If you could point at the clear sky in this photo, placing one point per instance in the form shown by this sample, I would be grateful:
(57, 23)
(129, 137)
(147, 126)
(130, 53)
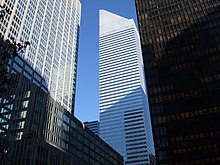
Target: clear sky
(87, 86)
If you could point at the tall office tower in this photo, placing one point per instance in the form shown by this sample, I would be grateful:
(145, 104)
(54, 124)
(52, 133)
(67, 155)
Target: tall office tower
(181, 47)
(52, 28)
(124, 113)
(93, 126)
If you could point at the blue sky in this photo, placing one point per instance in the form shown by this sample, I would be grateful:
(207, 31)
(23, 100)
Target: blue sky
(87, 86)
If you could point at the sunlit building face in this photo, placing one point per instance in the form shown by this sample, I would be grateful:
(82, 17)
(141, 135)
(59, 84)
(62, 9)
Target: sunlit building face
(52, 28)
(124, 113)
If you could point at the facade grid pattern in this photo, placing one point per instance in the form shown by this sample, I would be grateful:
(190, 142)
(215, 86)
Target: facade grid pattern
(52, 28)
(181, 46)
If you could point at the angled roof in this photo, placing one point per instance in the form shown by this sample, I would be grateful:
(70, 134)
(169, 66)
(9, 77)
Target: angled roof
(110, 22)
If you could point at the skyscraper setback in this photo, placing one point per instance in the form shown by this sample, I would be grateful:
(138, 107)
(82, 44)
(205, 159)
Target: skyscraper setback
(181, 47)
(124, 114)
(52, 27)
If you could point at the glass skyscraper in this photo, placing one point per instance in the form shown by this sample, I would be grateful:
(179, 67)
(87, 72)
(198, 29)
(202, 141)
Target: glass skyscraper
(181, 52)
(52, 28)
(124, 113)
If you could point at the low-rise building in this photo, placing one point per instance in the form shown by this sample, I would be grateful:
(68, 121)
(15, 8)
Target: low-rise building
(37, 130)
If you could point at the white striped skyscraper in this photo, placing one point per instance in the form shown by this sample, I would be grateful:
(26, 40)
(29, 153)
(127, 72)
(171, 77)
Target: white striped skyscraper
(124, 113)
(52, 28)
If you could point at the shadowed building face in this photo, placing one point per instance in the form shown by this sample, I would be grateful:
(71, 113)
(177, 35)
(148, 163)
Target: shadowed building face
(181, 46)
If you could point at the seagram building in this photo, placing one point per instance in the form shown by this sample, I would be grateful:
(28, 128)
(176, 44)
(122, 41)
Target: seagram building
(181, 52)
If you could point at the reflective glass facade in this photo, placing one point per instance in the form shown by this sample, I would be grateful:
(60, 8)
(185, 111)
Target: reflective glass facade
(124, 114)
(181, 47)
(52, 28)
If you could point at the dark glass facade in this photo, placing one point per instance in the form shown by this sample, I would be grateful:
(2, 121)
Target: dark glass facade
(181, 51)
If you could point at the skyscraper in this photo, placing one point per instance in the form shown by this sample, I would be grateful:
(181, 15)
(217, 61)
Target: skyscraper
(181, 46)
(93, 126)
(52, 28)
(124, 114)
